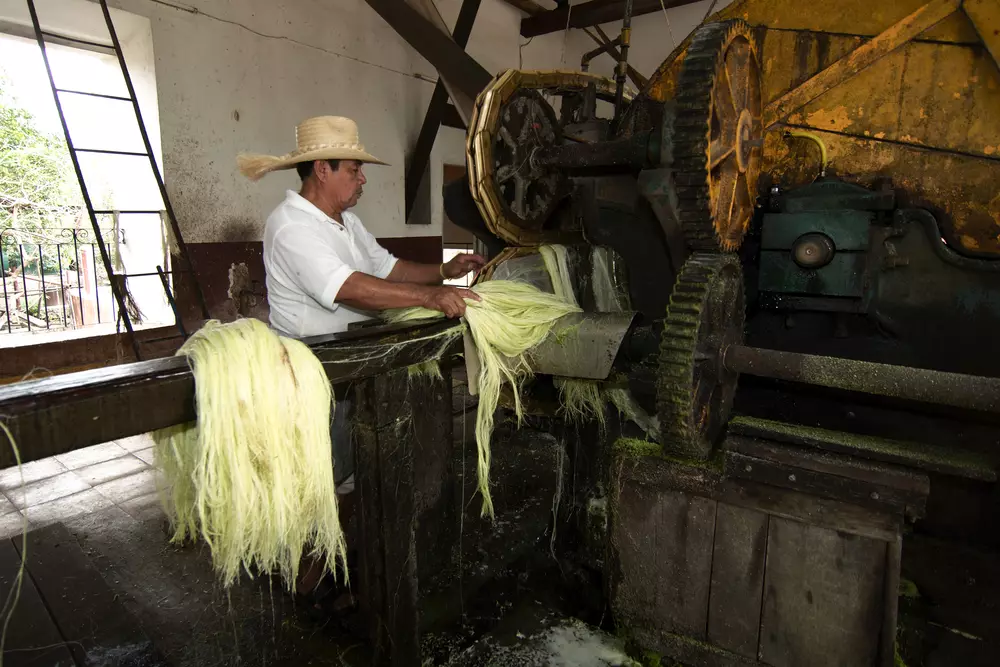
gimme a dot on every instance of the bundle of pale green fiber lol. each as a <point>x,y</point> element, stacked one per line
<point>512,318</point>
<point>253,477</point>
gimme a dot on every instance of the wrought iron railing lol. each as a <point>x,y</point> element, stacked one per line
<point>54,281</point>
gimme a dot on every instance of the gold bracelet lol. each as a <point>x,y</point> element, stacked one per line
<point>441,271</point>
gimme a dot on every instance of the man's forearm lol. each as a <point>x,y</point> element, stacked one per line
<point>415,272</point>
<point>370,293</point>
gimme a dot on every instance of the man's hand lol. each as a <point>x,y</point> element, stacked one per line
<point>449,300</point>
<point>461,264</point>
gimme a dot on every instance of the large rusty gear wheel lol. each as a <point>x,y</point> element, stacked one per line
<point>718,136</point>
<point>705,316</point>
<point>510,120</point>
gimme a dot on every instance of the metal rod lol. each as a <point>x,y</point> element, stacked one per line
<point>971,392</point>
<point>79,280</point>
<point>170,300</point>
<point>631,152</point>
<point>85,93</point>
<point>76,164</point>
<point>3,274</point>
<point>62,284</point>
<point>97,287</point>
<point>41,274</point>
<point>74,40</point>
<point>626,37</point>
<point>605,47</point>
<point>103,212</point>
<point>101,151</point>
<point>20,254</point>
<point>178,237</point>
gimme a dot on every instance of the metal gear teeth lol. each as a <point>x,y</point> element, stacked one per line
<point>691,131</point>
<point>678,414</point>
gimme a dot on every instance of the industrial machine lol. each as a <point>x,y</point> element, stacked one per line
<point>735,539</point>
<point>798,278</point>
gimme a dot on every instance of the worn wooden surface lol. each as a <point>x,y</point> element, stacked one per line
<point>59,414</point>
<point>435,479</point>
<point>737,579</point>
<point>663,541</point>
<point>879,496</point>
<point>823,597</point>
<point>383,429</point>
<point>91,620</point>
<point>860,58</point>
<point>32,637</point>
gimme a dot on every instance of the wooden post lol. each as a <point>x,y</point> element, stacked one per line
<point>387,518</point>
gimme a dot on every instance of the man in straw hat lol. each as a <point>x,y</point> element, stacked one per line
<point>325,270</point>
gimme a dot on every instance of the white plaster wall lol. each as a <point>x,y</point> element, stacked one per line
<point>274,63</point>
<point>236,76</point>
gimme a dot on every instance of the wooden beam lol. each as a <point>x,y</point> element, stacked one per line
<point>590,14</point>
<point>383,428</point>
<point>450,117</point>
<point>985,18</point>
<point>66,412</point>
<point>859,59</point>
<point>436,113</point>
<point>443,52</point>
<point>602,39</point>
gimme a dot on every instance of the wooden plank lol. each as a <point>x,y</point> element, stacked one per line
<point>66,412</point>
<point>823,597</point>
<point>94,624</point>
<point>790,476</point>
<point>709,482</point>
<point>859,59</point>
<point>587,14</point>
<point>737,579</point>
<point>985,17</point>
<point>435,481</point>
<point>371,559</point>
<point>664,543</point>
<point>893,570</point>
<point>32,637</point>
<point>447,57</point>
<point>389,549</point>
<point>906,480</point>
<point>823,512</point>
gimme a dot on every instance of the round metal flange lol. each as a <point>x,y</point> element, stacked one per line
<point>695,390</point>
<point>512,120</point>
<point>718,136</point>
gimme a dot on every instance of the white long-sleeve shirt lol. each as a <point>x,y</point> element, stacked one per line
<point>308,256</point>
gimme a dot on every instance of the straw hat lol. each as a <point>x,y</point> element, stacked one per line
<point>320,138</point>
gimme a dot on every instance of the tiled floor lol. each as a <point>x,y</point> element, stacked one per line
<point>80,482</point>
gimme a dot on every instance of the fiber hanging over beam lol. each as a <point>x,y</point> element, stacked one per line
<point>253,476</point>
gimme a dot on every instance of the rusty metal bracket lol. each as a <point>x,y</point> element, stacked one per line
<point>860,59</point>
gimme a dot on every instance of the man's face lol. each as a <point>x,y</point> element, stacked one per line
<point>345,184</point>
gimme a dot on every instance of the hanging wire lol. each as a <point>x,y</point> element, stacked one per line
<point>711,7</point>
<point>520,53</point>
<point>670,31</point>
<point>569,13</point>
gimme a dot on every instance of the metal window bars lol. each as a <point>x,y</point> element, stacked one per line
<point>118,287</point>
